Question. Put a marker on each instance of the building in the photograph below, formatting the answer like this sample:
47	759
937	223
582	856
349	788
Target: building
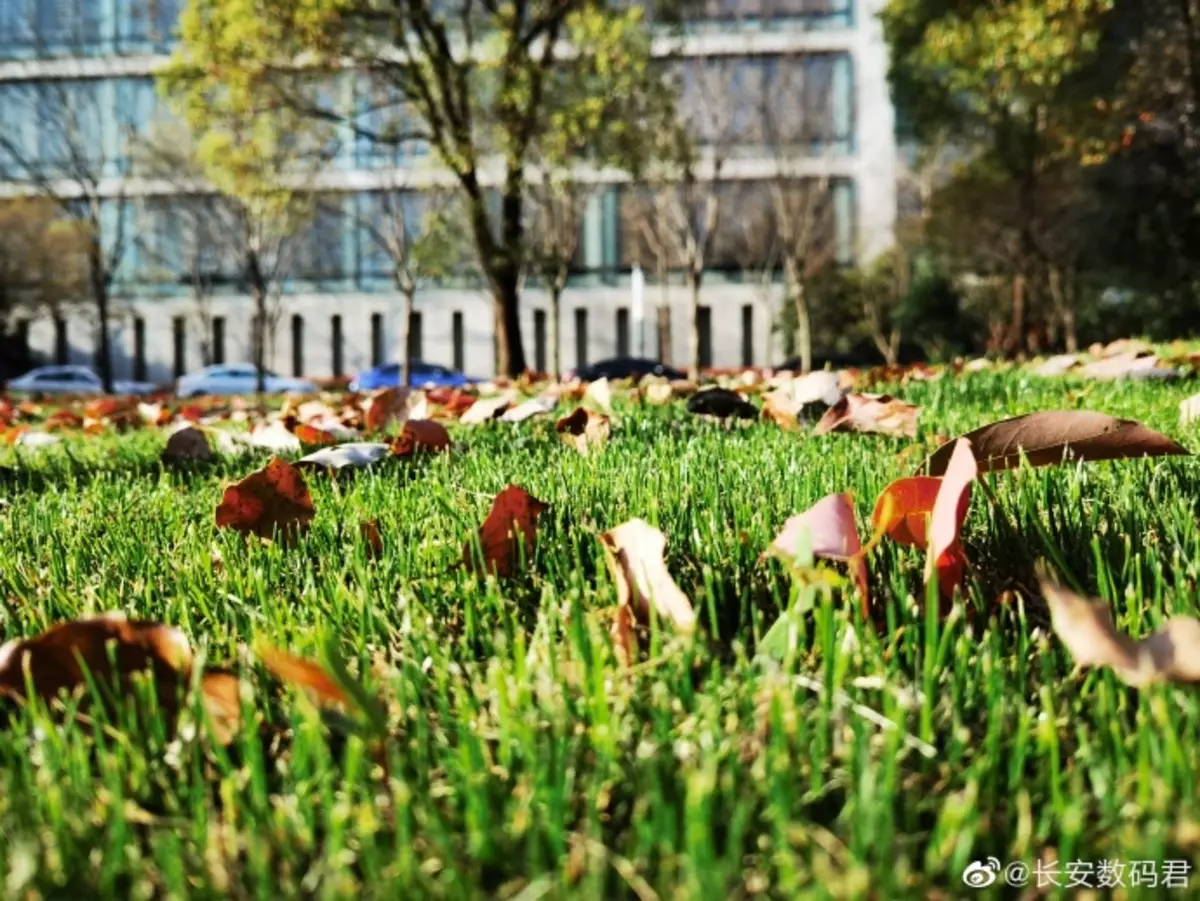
339	309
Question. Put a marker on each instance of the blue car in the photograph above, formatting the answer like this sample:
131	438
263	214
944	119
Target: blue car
421	375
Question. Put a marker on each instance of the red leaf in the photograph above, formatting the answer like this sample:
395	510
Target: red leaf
510	525
833	536
271	500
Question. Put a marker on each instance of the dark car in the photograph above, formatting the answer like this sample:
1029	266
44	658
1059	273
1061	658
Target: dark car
625	368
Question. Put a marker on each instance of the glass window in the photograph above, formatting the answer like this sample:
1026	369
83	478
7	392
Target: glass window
539	340
622	331
179	329
415	344
319	245
139	349
704	327
376	339
218	339
70	135
147	24
747	334
335	339
581	337
62	347
297	346
386	132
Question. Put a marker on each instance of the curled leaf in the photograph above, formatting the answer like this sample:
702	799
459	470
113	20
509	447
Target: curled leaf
1172	654
1056	436
882	415
485	409
369	531
507	534
272	500
421	435
313	436
304	674
535	406
386	406
599	395
357	455
634	551
903	509
583	429
832	535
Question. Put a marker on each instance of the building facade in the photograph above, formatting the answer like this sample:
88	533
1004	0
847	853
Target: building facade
821	63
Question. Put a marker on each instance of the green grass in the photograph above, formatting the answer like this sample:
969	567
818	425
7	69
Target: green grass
524	762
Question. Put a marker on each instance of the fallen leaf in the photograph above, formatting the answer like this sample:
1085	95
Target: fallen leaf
272	501
658	393
599	395
485	409
721	403
903	509
187	444
421	435
507	534
369	531
634	551
63	419
832	535
385	407
1130	365
35	439
881	415
357	455
1056	366
535	406
1172	654
57	658
1051	437
304	674
274	437
583	429
1189	410
314	437
946	554
220	695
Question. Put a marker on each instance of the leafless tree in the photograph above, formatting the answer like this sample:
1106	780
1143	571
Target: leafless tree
557	201
800	132
74	162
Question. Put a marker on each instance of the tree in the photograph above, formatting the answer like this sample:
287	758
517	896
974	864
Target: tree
1008	79
482	82
262	163
417	231
71	145
557	202
42	265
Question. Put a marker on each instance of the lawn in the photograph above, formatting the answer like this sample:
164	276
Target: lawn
522	760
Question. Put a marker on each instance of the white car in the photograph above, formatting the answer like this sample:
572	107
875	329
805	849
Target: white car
73	380
237	378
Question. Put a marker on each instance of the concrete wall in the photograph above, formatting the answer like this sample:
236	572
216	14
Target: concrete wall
437	308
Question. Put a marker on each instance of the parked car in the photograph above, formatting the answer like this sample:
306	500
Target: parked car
238	378
421	375
73	380
625	368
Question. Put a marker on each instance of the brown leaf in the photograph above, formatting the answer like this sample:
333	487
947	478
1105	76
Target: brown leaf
634	551
882	415
220	694
1172	654
369	531
57	658
485	409
421	435
270	500
583	429
187	443
1048	438
510	525
385	406
312	436
658	393
304	674
599	395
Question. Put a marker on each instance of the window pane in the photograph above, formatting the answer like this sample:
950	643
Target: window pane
581	337
539	340
458	339
297	346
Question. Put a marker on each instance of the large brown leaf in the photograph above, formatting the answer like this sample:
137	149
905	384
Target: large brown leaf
1050	437
270	501
1172	654
421	435
58	657
583	429
507	534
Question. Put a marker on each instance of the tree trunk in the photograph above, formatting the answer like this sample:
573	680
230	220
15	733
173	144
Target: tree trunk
406	324
555	349
510	354
1016	331
663	316
693	324
803	329
893	355
258	337
99	279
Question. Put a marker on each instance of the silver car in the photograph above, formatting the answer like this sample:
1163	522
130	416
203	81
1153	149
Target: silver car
237	378
73	380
